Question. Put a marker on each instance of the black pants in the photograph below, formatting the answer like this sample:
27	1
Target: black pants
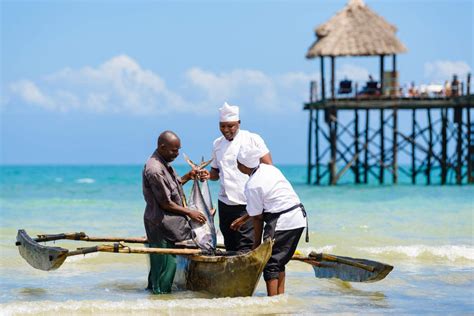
241	240
284	247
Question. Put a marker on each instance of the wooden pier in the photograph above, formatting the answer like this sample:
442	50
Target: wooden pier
367	133
371	149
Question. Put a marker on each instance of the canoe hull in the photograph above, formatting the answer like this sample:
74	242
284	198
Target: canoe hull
223	276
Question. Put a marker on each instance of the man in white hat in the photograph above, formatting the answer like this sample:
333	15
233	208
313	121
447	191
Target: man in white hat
232	202
272	200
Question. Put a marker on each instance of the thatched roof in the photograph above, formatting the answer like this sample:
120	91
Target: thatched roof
356	31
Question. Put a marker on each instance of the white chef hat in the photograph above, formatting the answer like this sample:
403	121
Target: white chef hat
249	156
229	113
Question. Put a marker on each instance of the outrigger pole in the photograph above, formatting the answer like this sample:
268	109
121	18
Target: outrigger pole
48	258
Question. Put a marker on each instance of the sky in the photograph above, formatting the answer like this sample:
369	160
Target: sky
95	82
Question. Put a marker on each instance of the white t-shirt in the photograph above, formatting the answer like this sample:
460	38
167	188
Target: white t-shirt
267	189
224	154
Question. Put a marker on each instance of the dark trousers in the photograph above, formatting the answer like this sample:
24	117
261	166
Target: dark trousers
284	247
241	240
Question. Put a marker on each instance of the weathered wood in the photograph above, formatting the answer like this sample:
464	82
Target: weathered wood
444	145
470	146
381	73
323	82
333	77
413	153
310	143
401	103
430	148
366	154
382	147
229	276
395	144
316	144
459	147
356	147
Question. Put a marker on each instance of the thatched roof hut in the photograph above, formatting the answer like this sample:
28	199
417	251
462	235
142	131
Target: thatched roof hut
356	31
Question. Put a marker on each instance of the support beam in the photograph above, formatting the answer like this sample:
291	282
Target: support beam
382	148
381	73
444	145
430	148
323	82
316	144
413	154
395	146
366	149
356	147
332	123
333	77
459	146
310	145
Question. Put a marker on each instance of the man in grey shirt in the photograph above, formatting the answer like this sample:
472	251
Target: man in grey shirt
166	216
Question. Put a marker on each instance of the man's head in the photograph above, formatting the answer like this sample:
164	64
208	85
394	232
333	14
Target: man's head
169	145
248	159
229	121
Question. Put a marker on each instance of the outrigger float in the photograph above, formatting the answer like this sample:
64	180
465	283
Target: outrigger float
223	274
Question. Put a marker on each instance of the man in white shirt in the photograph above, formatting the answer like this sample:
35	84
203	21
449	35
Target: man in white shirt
272	200
232	200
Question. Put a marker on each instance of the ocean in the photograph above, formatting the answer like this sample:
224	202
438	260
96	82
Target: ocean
425	232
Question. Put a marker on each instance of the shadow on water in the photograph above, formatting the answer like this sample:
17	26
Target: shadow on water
33	293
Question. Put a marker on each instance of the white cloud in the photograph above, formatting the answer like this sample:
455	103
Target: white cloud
442	70
28	91
121	85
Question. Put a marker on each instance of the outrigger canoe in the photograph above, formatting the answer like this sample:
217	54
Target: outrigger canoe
221	275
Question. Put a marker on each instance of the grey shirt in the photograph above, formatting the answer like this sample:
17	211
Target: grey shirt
161	184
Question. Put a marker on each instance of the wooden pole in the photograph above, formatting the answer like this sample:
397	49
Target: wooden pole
395	146
310	143
459	147
413	154
444	147
333	139
381	73
382	148
430	148
323	83
310	131
333	78
356	147
366	150
316	144
470	147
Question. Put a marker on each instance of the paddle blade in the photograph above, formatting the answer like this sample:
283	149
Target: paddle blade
350	269
39	256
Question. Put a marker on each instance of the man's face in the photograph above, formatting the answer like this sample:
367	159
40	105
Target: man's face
170	150
229	129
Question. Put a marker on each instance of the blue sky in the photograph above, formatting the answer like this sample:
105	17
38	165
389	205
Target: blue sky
95	82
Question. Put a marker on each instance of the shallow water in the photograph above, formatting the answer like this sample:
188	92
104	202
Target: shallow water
425	232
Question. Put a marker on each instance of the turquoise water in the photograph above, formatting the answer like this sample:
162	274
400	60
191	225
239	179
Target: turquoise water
425	232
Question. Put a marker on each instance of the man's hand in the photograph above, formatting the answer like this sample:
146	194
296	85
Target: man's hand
236	224
203	174
197	216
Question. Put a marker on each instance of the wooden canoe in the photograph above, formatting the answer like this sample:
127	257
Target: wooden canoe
223	276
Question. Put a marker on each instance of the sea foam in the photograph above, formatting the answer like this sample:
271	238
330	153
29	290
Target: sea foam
450	252
140	306
85	180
